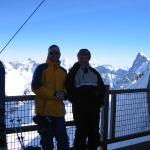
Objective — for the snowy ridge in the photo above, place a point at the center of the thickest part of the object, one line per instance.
(19, 74)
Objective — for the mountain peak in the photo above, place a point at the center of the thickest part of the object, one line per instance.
(142, 56)
(140, 59)
(141, 53)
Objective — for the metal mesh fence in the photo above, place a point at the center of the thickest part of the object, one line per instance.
(19, 116)
(128, 115)
(19, 113)
(132, 114)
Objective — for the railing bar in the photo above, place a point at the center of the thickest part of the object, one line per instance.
(19, 98)
(32, 128)
(128, 91)
(23, 129)
(128, 137)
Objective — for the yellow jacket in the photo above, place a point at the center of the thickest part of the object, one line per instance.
(47, 79)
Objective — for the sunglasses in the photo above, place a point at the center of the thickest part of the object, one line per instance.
(54, 53)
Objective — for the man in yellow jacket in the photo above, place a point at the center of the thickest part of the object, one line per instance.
(48, 85)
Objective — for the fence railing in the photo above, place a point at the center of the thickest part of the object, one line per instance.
(127, 116)
(19, 114)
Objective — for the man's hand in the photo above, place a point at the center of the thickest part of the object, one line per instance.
(60, 95)
(101, 108)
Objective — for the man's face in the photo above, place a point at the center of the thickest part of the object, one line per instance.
(83, 60)
(54, 54)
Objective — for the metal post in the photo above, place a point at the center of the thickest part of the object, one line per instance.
(113, 116)
(104, 121)
(3, 145)
(148, 96)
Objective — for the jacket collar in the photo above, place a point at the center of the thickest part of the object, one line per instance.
(50, 63)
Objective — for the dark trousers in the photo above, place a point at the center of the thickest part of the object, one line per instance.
(55, 129)
(87, 128)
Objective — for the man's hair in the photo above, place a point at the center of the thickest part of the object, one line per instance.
(84, 52)
(53, 46)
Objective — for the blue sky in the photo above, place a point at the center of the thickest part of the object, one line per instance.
(113, 30)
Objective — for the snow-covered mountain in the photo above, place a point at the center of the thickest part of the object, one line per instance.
(19, 74)
(139, 72)
(112, 75)
(135, 77)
